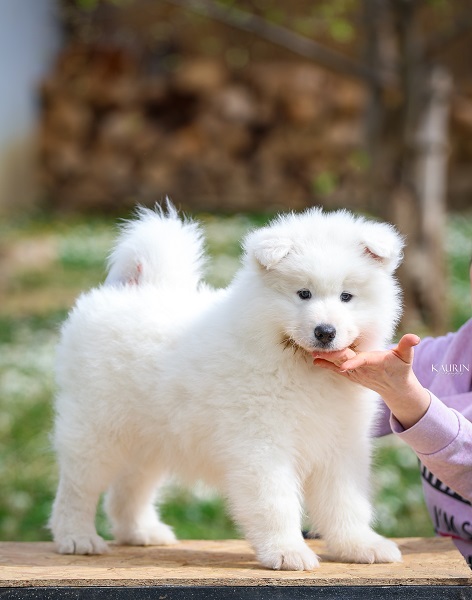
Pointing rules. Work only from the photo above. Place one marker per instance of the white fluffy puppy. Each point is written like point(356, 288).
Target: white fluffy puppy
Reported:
point(159, 374)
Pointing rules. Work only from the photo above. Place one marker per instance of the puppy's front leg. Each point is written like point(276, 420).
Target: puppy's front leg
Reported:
point(338, 503)
point(264, 499)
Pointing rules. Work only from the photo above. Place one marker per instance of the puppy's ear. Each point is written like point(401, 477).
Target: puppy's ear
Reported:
point(382, 243)
point(268, 250)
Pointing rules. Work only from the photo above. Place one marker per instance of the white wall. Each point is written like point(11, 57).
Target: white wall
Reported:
point(29, 40)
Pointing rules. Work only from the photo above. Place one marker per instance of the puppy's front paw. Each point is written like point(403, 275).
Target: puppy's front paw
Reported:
point(81, 544)
point(158, 534)
point(385, 551)
point(372, 548)
point(295, 557)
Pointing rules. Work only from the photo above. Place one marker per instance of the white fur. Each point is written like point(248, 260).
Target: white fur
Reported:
point(159, 374)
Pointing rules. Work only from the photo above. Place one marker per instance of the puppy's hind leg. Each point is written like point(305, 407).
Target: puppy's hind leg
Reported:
point(72, 520)
point(130, 504)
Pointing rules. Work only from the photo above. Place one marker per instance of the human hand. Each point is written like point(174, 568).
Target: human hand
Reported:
point(389, 373)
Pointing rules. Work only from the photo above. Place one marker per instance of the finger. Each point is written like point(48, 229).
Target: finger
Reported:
point(337, 356)
point(354, 363)
point(329, 366)
point(404, 349)
point(326, 364)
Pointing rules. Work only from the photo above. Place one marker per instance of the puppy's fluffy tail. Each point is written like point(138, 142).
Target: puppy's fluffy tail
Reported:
point(157, 248)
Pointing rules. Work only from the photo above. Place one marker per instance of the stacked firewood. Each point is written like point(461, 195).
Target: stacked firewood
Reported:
point(269, 136)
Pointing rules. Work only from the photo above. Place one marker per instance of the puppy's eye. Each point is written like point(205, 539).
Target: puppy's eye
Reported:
point(345, 297)
point(304, 294)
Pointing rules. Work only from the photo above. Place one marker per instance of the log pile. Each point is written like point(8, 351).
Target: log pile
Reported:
point(271, 136)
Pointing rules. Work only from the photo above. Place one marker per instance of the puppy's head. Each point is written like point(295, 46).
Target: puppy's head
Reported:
point(331, 278)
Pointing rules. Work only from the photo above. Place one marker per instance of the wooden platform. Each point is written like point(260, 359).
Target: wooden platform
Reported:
point(206, 566)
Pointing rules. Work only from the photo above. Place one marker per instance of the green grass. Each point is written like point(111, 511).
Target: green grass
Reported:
point(459, 250)
point(44, 264)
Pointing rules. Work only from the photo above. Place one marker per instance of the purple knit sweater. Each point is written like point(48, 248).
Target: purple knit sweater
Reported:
point(442, 438)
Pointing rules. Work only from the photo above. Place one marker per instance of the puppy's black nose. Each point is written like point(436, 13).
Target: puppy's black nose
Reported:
point(325, 333)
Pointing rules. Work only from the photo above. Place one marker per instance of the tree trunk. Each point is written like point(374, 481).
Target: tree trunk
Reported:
point(408, 145)
point(431, 146)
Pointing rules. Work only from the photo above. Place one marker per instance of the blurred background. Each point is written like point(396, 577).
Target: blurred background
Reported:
point(236, 110)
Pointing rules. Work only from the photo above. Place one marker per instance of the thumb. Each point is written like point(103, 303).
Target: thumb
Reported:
point(404, 349)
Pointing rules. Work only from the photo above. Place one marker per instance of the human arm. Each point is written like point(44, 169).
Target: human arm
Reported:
point(442, 440)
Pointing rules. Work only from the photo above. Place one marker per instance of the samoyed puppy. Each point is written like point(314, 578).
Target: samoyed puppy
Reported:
point(158, 374)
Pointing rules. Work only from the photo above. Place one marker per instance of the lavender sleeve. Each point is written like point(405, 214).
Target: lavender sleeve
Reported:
point(442, 440)
point(382, 421)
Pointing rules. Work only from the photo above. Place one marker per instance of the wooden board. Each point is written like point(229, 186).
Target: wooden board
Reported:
point(433, 561)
